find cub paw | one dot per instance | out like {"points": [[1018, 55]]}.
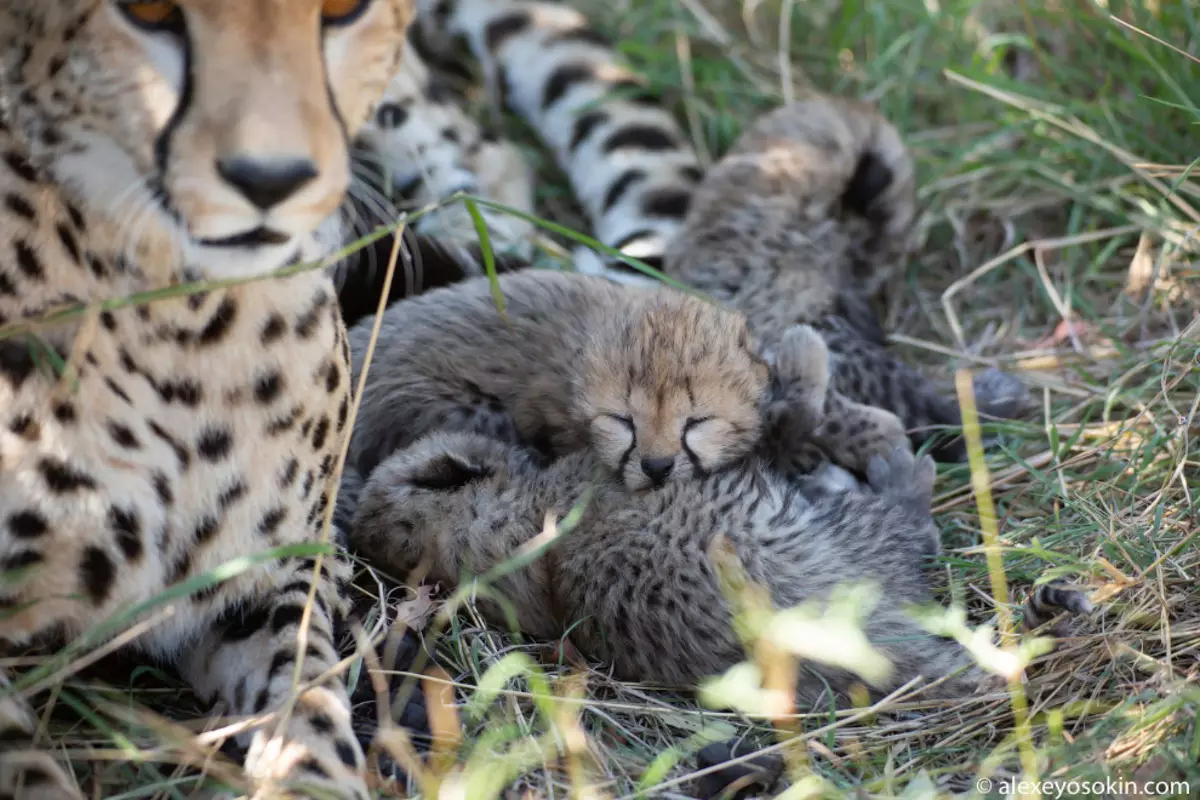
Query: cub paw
{"points": [[803, 356], [854, 432], [832, 478], [903, 475], [754, 776], [800, 371], [999, 395]]}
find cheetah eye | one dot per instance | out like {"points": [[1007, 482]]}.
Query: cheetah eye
{"points": [[153, 15], [692, 422], [342, 12], [390, 115], [621, 418]]}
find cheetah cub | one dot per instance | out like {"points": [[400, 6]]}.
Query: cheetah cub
{"points": [[632, 582], [803, 220], [661, 385]]}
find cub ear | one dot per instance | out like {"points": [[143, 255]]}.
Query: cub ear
{"points": [[447, 471]]}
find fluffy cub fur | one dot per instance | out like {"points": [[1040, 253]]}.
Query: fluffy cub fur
{"points": [[633, 583], [803, 220], [662, 384]]}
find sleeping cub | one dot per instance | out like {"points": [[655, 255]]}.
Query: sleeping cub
{"points": [[660, 385]]}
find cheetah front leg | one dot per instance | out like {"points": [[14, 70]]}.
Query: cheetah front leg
{"points": [[248, 661]]}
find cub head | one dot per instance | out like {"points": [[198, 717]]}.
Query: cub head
{"points": [[216, 131], [419, 491], [671, 391]]}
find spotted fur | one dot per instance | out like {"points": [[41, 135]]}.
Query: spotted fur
{"points": [[803, 220], [423, 263], [418, 149], [190, 431], [536, 380], [632, 584], [425, 147], [626, 158], [663, 384]]}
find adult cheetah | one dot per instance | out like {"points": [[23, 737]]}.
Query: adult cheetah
{"points": [[145, 144]]}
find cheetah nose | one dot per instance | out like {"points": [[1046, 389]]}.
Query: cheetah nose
{"points": [[657, 469], [266, 182]]}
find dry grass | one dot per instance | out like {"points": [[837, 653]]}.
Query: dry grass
{"points": [[1058, 240]]}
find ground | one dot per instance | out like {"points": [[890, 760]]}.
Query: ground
{"points": [[1058, 241]]}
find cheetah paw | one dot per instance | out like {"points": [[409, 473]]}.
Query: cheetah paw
{"points": [[998, 394], [300, 765], [903, 475], [800, 368], [853, 433]]}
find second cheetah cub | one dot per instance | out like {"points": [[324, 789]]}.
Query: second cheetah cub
{"points": [[632, 582]]}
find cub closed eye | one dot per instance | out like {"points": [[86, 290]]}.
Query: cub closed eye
{"points": [[693, 422], [341, 12], [626, 421], [154, 14]]}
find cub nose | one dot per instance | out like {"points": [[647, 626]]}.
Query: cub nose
{"points": [[266, 182], [657, 469]]}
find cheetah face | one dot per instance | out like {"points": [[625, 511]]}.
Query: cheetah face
{"points": [[213, 130], [676, 395], [652, 439]]}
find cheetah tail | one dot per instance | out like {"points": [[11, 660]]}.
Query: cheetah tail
{"points": [[423, 263], [1051, 599]]}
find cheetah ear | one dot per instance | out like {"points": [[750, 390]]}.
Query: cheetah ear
{"points": [[447, 471]]}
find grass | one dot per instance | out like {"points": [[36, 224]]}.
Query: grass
{"points": [[1058, 240]]}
